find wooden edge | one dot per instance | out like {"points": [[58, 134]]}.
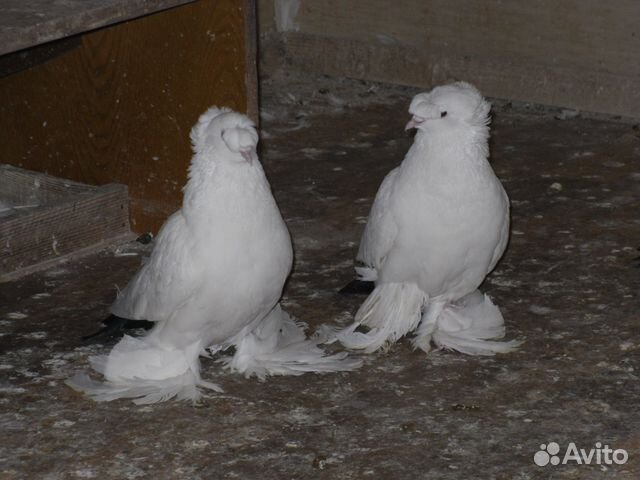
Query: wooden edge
{"points": [[73, 21], [251, 59], [17, 172], [64, 203], [55, 191], [31, 57], [75, 255]]}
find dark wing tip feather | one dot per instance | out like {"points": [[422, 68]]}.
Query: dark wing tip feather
{"points": [[357, 287], [114, 325]]}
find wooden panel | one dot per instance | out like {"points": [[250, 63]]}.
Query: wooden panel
{"points": [[19, 187], [120, 107], [68, 217], [574, 53]]}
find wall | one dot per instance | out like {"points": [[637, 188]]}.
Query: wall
{"points": [[581, 54]]}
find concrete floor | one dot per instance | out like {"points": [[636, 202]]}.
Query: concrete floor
{"points": [[567, 286]]}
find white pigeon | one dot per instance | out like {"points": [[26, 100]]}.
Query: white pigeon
{"points": [[438, 226], [213, 280]]}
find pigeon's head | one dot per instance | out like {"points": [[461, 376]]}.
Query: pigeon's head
{"points": [[455, 105], [225, 132]]}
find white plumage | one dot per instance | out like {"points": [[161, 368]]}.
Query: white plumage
{"points": [[438, 226], [213, 280]]}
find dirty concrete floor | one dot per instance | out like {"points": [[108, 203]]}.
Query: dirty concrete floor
{"points": [[567, 286]]}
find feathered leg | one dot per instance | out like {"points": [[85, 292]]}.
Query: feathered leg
{"points": [[143, 370], [428, 326], [278, 346], [468, 325]]}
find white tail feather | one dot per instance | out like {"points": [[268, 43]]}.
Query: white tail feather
{"points": [[278, 346], [140, 369], [391, 311]]}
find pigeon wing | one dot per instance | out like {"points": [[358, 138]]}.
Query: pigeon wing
{"points": [[504, 235], [168, 278], [380, 231]]}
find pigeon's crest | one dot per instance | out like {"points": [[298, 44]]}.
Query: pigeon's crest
{"points": [[235, 130], [458, 102]]}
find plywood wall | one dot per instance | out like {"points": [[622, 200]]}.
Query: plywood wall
{"points": [[581, 54], [119, 106]]}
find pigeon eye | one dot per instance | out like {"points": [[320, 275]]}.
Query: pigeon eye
{"points": [[443, 114]]}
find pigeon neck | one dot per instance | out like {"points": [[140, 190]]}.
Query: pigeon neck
{"points": [[466, 145], [221, 186], [201, 180]]}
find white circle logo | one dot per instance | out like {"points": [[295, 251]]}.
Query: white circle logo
{"points": [[548, 454]]}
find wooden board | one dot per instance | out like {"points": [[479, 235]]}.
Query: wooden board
{"points": [[119, 107], [64, 217], [26, 23], [576, 53]]}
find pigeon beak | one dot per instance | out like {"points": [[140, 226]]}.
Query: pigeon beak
{"points": [[414, 122], [249, 155]]}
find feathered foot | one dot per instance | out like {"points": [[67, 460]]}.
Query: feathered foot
{"points": [[469, 326], [143, 392], [428, 326], [390, 312], [146, 372], [278, 346]]}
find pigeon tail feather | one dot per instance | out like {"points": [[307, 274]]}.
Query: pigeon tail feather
{"points": [[278, 346], [390, 312]]}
